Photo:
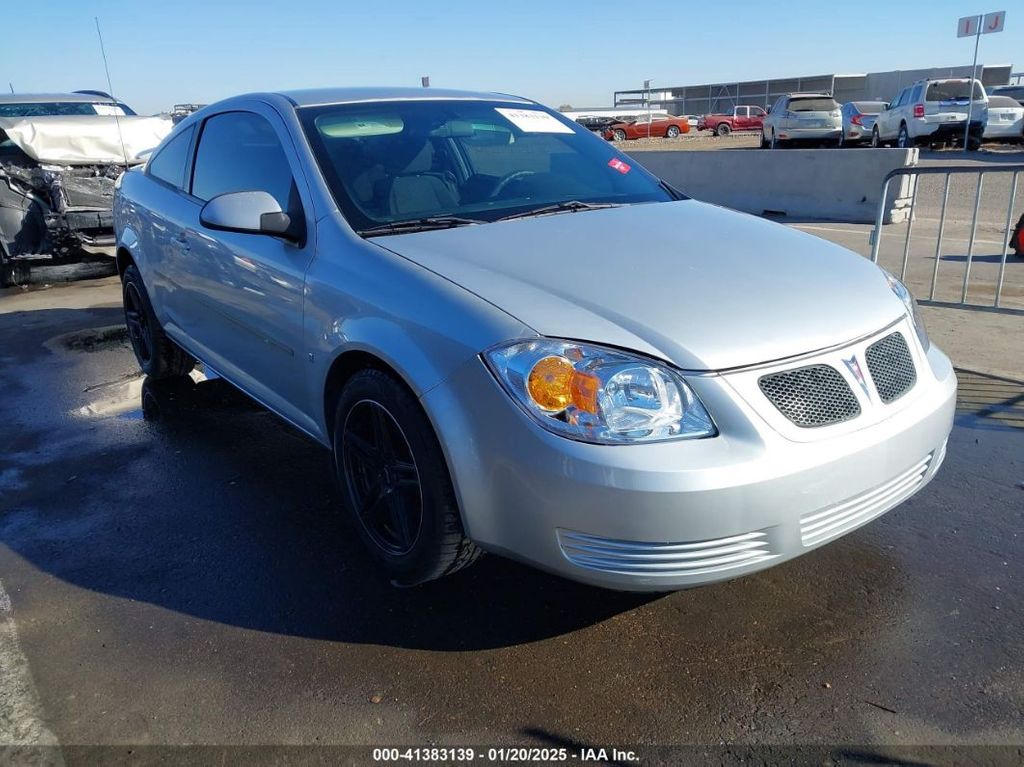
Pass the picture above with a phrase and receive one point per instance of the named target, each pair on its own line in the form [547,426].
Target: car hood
[86,139]
[700,286]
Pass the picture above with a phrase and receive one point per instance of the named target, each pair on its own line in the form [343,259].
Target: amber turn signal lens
[548,383]
[584,387]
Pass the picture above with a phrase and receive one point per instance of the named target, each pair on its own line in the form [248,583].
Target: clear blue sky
[555,51]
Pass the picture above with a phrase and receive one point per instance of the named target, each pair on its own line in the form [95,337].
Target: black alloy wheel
[381,478]
[137,319]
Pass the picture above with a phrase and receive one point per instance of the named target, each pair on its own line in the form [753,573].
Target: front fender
[363,297]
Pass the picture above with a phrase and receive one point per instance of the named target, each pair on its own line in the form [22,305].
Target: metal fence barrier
[949,171]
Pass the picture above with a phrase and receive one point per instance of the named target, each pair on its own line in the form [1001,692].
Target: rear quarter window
[168,165]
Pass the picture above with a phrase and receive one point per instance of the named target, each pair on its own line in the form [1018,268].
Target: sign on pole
[976,26]
[967,26]
[993,22]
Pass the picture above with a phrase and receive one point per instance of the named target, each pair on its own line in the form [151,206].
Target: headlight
[904,295]
[598,395]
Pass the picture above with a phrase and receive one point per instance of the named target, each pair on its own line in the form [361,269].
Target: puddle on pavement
[138,398]
[90,340]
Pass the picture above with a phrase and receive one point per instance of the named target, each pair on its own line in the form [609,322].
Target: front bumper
[678,514]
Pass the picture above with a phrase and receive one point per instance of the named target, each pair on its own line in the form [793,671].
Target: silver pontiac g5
[515,339]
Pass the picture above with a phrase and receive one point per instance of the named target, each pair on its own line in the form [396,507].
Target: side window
[741,111]
[756,112]
[240,152]
[168,165]
[917,95]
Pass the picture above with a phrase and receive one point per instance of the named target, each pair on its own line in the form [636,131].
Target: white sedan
[1005,119]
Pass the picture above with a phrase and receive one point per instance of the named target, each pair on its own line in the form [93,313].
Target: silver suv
[802,116]
[935,113]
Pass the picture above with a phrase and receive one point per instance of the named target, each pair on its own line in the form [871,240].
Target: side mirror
[247,213]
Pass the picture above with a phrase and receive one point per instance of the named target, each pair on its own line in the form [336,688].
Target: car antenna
[110,90]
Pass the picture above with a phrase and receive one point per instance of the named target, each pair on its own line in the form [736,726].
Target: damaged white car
[60,155]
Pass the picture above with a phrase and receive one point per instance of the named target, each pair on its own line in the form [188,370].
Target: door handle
[181,242]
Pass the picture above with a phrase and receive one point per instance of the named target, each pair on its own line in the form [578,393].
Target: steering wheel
[508,178]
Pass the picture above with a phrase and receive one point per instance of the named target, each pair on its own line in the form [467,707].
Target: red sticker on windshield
[619,165]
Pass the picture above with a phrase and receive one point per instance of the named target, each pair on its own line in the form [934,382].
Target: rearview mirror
[247,213]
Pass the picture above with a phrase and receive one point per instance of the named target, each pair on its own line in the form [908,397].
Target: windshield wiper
[569,206]
[418,225]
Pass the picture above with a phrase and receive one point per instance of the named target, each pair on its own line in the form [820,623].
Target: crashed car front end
[57,177]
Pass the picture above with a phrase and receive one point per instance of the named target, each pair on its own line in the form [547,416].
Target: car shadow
[209,505]
[188,496]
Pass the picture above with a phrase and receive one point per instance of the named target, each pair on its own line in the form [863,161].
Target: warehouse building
[722,97]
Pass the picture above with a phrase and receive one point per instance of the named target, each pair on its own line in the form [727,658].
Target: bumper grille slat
[638,557]
[891,367]
[812,396]
[820,526]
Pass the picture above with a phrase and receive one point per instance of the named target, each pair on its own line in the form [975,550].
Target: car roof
[320,96]
[45,98]
[809,95]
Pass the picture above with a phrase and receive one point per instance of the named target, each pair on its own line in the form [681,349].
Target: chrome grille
[892,367]
[813,396]
[651,558]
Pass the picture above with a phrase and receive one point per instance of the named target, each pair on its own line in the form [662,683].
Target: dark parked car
[597,124]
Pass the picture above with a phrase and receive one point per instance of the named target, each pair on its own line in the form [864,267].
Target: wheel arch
[348,363]
[124,259]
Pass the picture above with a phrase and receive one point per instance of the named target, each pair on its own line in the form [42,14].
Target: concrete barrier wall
[831,184]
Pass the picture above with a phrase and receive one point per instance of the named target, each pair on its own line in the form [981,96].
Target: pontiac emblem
[854,367]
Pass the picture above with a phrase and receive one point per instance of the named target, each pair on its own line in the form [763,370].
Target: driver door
[245,291]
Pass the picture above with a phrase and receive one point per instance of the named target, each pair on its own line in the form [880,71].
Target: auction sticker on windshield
[533,121]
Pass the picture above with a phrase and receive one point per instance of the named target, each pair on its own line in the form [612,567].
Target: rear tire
[158,356]
[672,131]
[774,142]
[395,482]
[876,139]
[723,130]
[903,140]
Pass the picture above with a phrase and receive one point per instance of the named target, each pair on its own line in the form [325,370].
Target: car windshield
[62,108]
[813,105]
[954,90]
[389,162]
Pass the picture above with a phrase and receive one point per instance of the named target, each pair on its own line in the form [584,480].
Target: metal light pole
[647,87]
[970,96]
[979,25]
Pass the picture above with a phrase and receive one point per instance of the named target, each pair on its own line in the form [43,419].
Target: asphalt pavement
[175,569]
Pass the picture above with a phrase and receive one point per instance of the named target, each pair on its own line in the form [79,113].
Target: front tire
[773,142]
[395,482]
[158,356]
[618,135]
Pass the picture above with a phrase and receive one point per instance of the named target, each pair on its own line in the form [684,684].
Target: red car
[660,126]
